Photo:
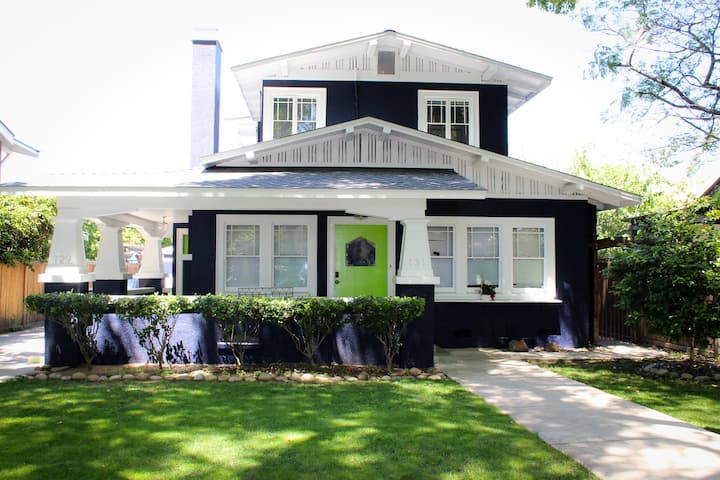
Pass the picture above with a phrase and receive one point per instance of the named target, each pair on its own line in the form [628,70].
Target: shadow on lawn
[396,430]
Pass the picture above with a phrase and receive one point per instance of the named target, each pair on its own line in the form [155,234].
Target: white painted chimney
[205,113]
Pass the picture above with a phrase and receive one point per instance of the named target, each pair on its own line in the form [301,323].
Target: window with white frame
[517,255]
[266,251]
[441,254]
[287,111]
[449,114]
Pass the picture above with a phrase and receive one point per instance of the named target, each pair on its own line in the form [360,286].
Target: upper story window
[449,114]
[287,111]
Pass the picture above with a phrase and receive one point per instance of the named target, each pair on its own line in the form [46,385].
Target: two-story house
[381,168]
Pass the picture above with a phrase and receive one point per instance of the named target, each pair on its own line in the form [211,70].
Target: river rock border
[205,375]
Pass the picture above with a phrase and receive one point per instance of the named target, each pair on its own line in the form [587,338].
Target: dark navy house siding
[490,323]
[397,102]
[460,324]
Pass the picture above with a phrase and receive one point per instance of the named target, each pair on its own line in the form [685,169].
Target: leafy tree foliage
[308,321]
[668,52]
[26,226]
[669,274]
[79,314]
[238,318]
[658,193]
[387,319]
[153,319]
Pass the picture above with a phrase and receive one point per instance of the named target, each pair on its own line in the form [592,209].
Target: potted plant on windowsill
[485,289]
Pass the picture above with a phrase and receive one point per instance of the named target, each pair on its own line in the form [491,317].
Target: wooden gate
[611,319]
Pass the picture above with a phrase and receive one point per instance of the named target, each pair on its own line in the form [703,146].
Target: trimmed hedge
[307,320]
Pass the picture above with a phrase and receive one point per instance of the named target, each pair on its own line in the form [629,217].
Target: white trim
[472,97]
[269,93]
[332,221]
[266,223]
[505,292]
[180,257]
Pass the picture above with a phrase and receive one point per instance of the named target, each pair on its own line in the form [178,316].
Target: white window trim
[266,223]
[506,292]
[269,93]
[472,97]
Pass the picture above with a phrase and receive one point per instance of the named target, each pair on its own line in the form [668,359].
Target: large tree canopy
[669,274]
[26,225]
[668,53]
[658,193]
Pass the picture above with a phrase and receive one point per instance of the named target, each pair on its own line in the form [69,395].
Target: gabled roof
[372,143]
[12,144]
[416,60]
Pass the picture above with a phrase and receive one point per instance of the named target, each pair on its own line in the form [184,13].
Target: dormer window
[287,111]
[449,114]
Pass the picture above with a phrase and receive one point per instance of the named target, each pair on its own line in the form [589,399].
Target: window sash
[274,251]
[449,114]
[442,258]
[526,277]
[289,110]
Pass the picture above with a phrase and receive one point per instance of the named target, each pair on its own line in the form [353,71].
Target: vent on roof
[386,63]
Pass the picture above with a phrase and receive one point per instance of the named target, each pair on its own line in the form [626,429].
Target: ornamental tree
[79,314]
[669,273]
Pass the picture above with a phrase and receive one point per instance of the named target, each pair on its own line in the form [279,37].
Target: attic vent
[386,63]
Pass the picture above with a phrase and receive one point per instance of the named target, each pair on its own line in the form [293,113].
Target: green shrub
[308,321]
[238,318]
[387,318]
[79,314]
[160,316]
[26,226]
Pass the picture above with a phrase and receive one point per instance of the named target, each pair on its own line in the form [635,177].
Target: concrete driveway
[21,352]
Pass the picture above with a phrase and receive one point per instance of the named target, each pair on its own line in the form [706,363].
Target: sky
[104,85]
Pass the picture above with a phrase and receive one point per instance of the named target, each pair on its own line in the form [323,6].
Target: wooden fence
[16,283]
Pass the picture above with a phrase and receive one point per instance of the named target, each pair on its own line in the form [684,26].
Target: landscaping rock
[336,379]
[386,378]
[351,379]
[518,346]
[41,376]
[115,378]
[552,347]
[702,378]
[93,378]
[716,376]
[128,377]
[66,378]
[79,376]
[58,369]
[141,376]
[235,379]
[265,377]
[660,372]
[198,376]
[295,376]
[55,376]
[282,379]
[363,376]
[250,378]
[307,378]
[183,377]
[414,371]
[155,378]
[435,377]
[223,378]
[398,372]
[686,376]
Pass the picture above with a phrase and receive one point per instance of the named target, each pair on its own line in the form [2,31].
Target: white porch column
[67,253]
[110,263]
[152,264]
[415,264]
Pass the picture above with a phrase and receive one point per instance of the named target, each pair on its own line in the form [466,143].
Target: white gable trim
[372,143]
[416,60]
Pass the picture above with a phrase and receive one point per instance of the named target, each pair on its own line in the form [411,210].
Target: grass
[395,430]
[696,403]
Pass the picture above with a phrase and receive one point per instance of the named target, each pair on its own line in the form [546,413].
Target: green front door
[361,263]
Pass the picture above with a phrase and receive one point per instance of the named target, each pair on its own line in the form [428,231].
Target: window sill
[447,298]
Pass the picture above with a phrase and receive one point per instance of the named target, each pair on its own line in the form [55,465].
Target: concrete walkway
[614,438]
[21,352]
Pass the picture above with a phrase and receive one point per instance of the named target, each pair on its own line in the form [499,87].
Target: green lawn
[689,401]
[395,430]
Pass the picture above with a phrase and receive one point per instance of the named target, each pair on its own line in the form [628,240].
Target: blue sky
[105,85]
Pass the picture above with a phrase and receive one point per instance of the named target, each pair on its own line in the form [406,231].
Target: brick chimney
[205,113]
